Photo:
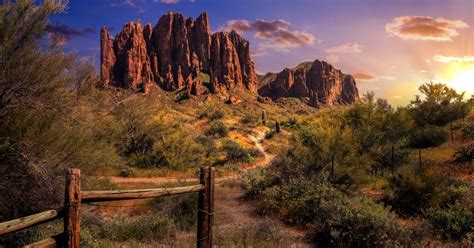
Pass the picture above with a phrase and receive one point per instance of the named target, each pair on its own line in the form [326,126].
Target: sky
[390,46]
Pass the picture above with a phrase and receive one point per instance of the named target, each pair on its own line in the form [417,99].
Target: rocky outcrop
[318,81]
[176,54]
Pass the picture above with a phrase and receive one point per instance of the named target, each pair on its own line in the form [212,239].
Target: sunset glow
[461,78]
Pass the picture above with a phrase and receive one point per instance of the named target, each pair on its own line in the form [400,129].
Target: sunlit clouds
[273,34]
[345,48]
[424,28]
[363,76]
[452,59]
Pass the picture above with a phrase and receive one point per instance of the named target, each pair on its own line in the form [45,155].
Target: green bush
[452,223]
[429,136]
[216,115]
[467,131]
[337,220]
[383,156]
[217,129]
[464,154]
[236,153]
[255,182]
[208,144]
[413,189]
[126,172]
[247,119]
[180,209]
[155,160]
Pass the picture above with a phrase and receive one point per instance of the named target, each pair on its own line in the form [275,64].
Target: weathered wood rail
[73,198]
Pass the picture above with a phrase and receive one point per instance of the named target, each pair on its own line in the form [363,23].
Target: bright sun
[463,80]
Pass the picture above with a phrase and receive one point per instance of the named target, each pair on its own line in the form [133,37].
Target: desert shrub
[247,119]
[203,114]
[236,153]
[363,223]
[255,182]
[263,234]
[383,156]
[337,220]
[143,228]
[464,154]
[217,129]
[126,172]
[180,209]
[429,136]
[467,130]
[208,144]
[154,160]
[452,223]
[413,189]
[269,135]
[136,144]
[216,115]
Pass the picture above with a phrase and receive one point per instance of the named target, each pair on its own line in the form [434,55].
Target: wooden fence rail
[74,197]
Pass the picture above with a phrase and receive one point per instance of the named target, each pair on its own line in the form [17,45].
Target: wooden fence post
[203,210]
[211,205]
[72,205]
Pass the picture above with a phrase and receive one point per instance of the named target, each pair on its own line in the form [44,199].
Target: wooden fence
[71,211]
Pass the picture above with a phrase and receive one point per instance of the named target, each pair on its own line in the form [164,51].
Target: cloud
[136,4]
[363,76]
[172,1]
[124,2]
[276,34]
[346,48]
[452,59]
[258,53]
[167,1]
[60,34]
[424,28]
[332,58]
[368,77]
[386,77]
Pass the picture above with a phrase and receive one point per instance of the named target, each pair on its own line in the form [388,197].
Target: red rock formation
[126,63]
[107,56]
[173,50]
[319,81]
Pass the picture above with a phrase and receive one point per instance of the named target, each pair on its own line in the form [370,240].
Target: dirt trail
[256,139]
[233,213]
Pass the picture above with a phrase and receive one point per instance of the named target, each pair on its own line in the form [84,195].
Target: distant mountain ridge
[317,80]
[182,54]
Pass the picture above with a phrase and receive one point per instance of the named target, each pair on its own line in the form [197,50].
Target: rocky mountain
[318,81]
[176,54]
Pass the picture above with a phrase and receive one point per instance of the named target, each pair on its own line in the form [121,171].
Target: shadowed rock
[318,81]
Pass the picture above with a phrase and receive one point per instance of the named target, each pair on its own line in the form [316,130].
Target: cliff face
[319,81]
[174,54]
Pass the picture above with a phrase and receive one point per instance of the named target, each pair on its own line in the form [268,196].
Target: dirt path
[235,216]
[256,139]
